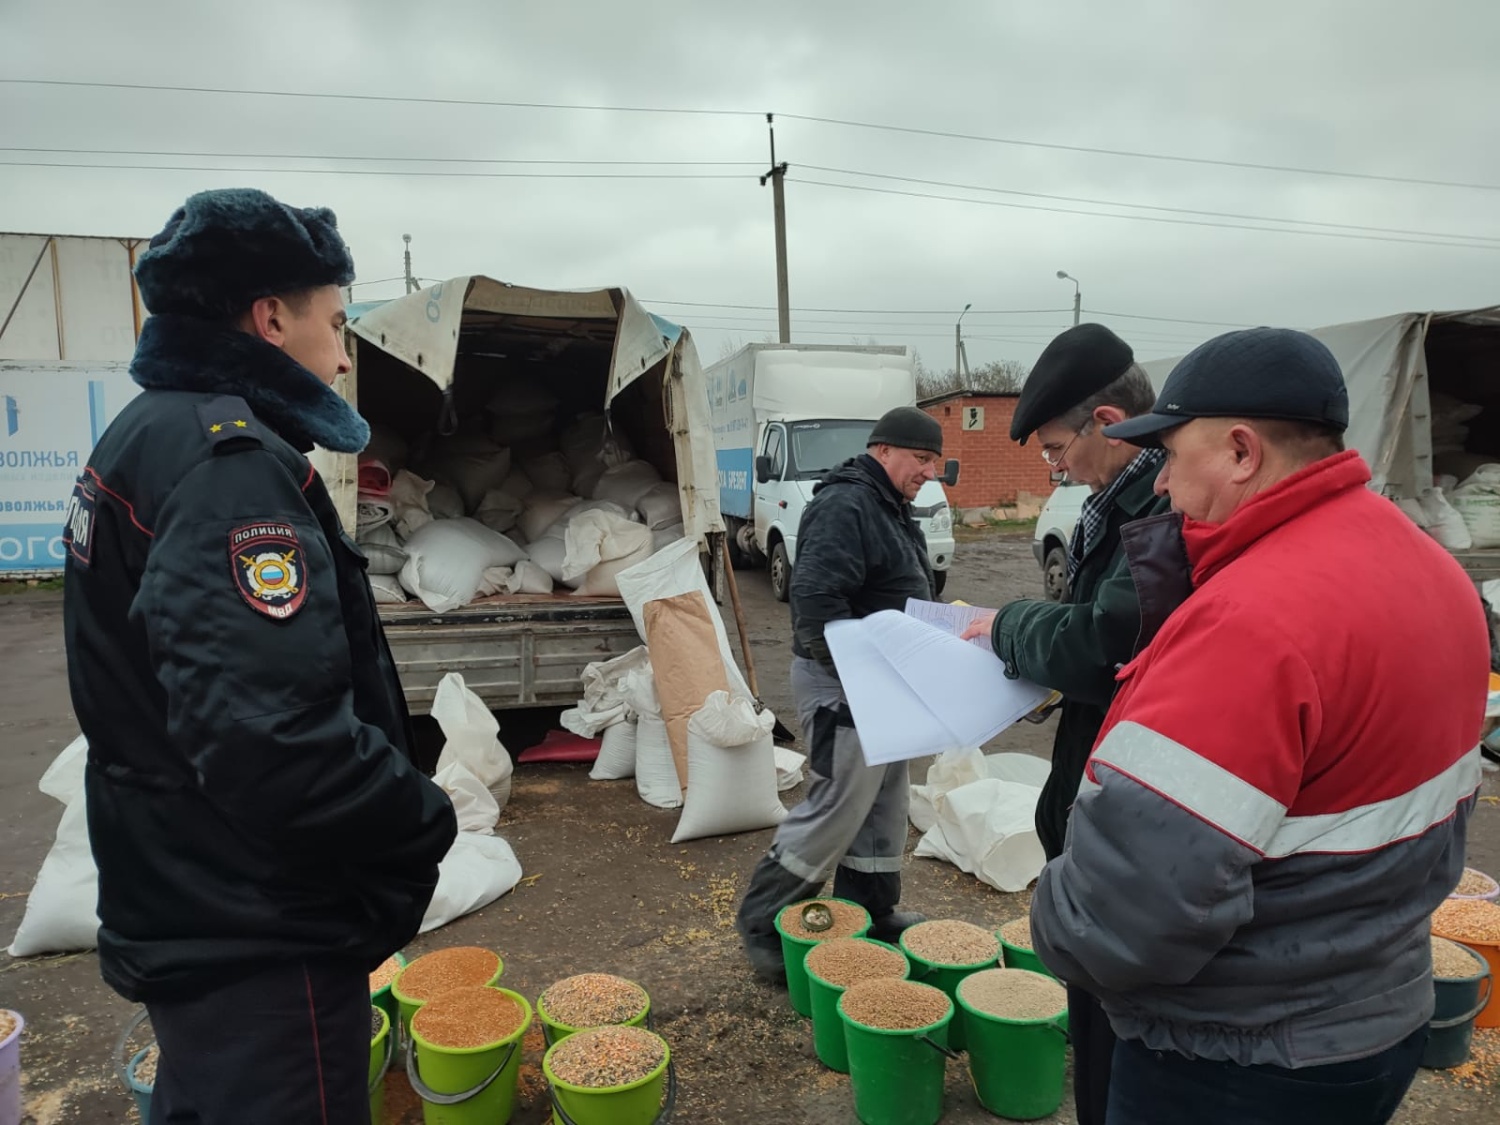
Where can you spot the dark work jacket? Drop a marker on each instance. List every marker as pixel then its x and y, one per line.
pixel 1076 647
pixel 250 796
pixel 859 551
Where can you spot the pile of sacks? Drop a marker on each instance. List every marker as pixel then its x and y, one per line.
pixel 1460 515
pixel 683 725
pixel 978 812
pixel 474 769
pixel 511 509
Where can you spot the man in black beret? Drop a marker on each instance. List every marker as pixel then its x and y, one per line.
pixel 263 841
pixel 859 551
pixel 1086 379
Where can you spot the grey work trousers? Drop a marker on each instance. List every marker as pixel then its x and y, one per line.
pixel 851 826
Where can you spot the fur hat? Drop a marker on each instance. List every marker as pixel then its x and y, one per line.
pixel 223 250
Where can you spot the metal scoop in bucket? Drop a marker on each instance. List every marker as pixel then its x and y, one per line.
pixel 816 918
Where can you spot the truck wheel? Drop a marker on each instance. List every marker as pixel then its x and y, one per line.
pixel 1055 574
pixel 781 573
pixel 939 580
pixel 737 557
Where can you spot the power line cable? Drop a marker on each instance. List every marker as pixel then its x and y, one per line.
pixel 948 312
pixel 384 172
pixel 912 130
pixel 389 159
pixel 389 98
pixel 1138 155
pixel 734 164
pixel 1172 319
pixel 1150 206
pixel 872 312
pixel 1146 218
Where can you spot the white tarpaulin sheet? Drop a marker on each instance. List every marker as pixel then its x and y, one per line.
pixel 1385 366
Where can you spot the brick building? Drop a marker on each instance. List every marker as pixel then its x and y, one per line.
pixel 995 471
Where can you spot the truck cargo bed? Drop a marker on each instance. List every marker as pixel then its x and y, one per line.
pixel 526 650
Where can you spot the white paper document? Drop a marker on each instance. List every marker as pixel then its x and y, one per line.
pixel 950 618
pixel 915 689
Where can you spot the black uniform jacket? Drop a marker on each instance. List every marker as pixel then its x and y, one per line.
pixel 250 795
pixel 859 551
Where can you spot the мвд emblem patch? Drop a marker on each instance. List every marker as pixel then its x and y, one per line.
pixel 267 562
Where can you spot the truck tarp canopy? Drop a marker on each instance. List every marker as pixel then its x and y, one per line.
pixel 1385 366
pixel 422 328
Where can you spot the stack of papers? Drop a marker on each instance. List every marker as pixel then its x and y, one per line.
pixel 916 689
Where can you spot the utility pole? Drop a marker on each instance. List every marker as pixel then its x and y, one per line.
pixel 777 175
pixel 959 358
pixel 411 282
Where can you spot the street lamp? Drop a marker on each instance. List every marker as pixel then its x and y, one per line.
pixel 958 343
pixel 1064 275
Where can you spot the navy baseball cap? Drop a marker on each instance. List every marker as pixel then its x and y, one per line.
pixel 1253 373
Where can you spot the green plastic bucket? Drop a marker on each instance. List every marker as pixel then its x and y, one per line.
pixel 382 998
pixel 1457 1000
pixel 897 1076
pixel 828 1026
pixel 636 1103
pixel 382 1047
pixel 948 978
pixel 138 1089
pixel 1017 1065
pixel 1015 957
pixel 794 954
pixel 126 1064
pixel 555 1031
pixel 408 1006
pixel 468 1085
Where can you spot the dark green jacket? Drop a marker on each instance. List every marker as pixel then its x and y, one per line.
pixel 1075 647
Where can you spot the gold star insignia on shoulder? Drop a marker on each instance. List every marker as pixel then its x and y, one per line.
pixel 216 427
pixel 240 424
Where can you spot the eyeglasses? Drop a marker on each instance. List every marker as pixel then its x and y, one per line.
pixel 1054 457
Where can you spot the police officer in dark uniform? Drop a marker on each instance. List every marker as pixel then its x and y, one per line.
pixel 262 838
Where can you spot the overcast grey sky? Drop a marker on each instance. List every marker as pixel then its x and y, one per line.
pixel 1360 86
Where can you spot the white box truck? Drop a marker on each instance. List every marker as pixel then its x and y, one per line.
pixel 785 414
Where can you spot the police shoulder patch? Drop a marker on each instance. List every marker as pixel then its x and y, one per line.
pixel 267 562
pixel 78 523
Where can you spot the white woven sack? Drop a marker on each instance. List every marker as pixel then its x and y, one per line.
pixel 1477 500
pixel 548 553
pixel 731 771
pixel 616 753
pixel 382 549
pixel 446 561
pixel 529 578
pixel 660 506
pixel 655 771
pixel 1443 522
pixel 387 589
pixel 600 545
pixel 543 509
pixel 626 483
